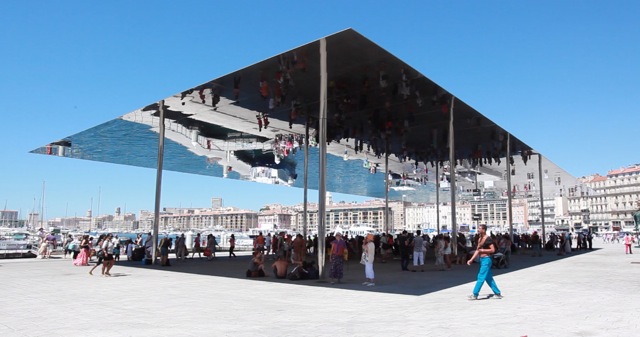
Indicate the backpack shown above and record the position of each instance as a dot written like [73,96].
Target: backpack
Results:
[294,274]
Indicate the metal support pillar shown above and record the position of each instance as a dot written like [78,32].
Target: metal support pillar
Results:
[386,187]
[306,178]
[156,216]
[322,143]
[544,236]
[509,192]
[452,182]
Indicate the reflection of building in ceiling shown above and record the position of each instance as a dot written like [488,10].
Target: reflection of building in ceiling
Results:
[377,106]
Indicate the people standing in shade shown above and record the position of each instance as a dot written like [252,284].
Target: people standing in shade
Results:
[164,251]
[337,258]
[404,250]
[536,243]
[447,251]
[484,250]
[275,245]
[628,241]
[567,243]
[298,249]
[309,245]
[439,252]
[180,248]
[211,246]
[232,245]
[148,246]
[196,246]
[418,253]
[259,243]
[267,244]
[461,255]
[369,251]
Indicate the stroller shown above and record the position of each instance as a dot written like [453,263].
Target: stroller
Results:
[500,260]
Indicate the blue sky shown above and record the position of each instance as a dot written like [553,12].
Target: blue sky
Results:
[563,76]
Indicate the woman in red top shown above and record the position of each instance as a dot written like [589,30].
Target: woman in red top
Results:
[337,259]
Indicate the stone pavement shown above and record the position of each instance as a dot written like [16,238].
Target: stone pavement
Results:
[593,293]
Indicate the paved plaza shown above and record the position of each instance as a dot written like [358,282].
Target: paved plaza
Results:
[594,293]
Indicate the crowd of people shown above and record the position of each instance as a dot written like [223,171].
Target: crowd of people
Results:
[293,257]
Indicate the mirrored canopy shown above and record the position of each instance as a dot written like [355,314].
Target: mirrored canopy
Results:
[250,125]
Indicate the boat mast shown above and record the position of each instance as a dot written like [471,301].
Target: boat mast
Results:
[42,207]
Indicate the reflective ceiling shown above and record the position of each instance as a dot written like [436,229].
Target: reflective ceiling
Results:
[250,125]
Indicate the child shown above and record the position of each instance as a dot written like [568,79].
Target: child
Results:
[116,251]
[129,249]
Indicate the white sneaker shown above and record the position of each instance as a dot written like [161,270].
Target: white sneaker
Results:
[371,284]
[366,283]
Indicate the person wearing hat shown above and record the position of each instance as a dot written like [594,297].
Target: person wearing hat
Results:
[369,251]
[338,247]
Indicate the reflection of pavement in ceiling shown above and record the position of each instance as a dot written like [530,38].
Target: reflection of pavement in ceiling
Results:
[375,100]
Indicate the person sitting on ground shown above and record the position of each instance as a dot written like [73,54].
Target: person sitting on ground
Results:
[256,266]
[280,268]
[305,271]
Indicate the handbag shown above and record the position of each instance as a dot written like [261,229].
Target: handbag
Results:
[207,252]
[363,259]
[100,254]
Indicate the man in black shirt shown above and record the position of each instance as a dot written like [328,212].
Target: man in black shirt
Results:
[404,249]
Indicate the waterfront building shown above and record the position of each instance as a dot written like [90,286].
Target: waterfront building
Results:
[606,203]
[8,218]
[370,213]
[552,206]
[229,218]
[276,217]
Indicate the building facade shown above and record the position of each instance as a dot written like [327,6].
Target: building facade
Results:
[606,203]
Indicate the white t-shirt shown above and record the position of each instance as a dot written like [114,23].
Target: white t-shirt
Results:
[108,246]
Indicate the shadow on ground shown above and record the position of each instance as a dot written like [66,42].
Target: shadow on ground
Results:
[389,277]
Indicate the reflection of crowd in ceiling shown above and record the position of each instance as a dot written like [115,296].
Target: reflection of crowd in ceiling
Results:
[286,144]
[376,105]
[380,107]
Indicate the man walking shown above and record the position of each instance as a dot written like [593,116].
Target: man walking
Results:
[484,249]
